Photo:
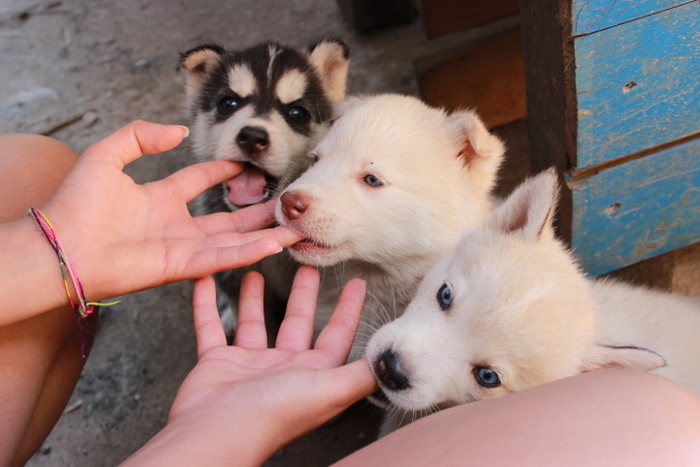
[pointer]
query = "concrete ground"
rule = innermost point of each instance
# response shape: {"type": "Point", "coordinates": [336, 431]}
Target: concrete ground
{"type": "Point", "coordinates": [78, 70]}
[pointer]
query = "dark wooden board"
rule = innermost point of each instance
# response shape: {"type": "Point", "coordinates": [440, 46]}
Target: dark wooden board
{"type": "Point", "coordinates": [447, 16]}
{"type": "Point", "coordinates": [488, 77]}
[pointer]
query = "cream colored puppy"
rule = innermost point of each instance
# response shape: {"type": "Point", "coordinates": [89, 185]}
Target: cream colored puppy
{"type": "Point", "coordinates": [394, 185]}
{"type": "Point", "coordinates": [509, 309]}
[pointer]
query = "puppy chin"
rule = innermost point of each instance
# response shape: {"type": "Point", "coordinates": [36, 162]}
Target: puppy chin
{"type": "Point", "coordinates": [380, 399]}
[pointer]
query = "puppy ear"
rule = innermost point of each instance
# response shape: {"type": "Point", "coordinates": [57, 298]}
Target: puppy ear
{"type": "Point", "coordinates": [481, 151]}
{"type": "Point", "coordinates": [530, 208]}
{"type": "Point", "coordinates": [601, 356]}
{"type": "Point", "coordinates": [330, 59]}
{"type": "Point", "coordinates": [199, 62]}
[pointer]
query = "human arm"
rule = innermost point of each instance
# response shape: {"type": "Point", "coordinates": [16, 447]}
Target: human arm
{"type": "Point", "coordinates": [241, 403]}
{"type": "Point", "coordinates": [122, 237]}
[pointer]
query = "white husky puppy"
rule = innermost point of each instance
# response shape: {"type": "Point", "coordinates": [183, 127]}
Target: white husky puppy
{"type": "Point", "coordinates": [509, 309]}
{"type": "Point", "coordinates": [394, 185]}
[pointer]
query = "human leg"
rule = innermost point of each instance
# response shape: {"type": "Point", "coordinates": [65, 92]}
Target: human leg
{"type": "Point", "coordinates": [605, 418]}
{"type": "Point", "coordinates": [40, 358]}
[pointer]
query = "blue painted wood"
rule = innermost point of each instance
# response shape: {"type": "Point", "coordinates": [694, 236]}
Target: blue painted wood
{"type": "Point", "coordinates": [589, 16]}
{"type": "Point", "coordinates": [637, 210]}
{"type": "Point", "coordinates": [638, 85]}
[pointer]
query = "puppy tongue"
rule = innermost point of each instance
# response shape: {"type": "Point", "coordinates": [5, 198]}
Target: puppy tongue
{"type": "Point", "coordinates": [248, 187]}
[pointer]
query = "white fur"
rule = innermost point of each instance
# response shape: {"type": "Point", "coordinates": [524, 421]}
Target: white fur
{"type": "Point", "coordinates": [242, 81]}
{"type": "Point", "coordinates": [437, 172]}
{"type": "Point", "coordinates": [522, 308]}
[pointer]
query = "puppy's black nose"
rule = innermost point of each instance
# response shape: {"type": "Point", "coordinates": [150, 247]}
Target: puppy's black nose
{"type": "Point", "coordinates": [390, 372]}
{"type": "Point", "coordinates": [252, 140]}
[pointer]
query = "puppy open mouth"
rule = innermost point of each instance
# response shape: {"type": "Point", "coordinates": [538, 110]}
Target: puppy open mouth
{"type": "Point", "coordinates": [251, 186]}
{"type": "Point", "coordinates": [309, 245]}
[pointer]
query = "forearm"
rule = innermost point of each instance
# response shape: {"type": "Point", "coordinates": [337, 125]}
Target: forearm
{"type": "Point", "coordinates": [30, 277]}
{"type": "Point", "coordinates": [208, 441]}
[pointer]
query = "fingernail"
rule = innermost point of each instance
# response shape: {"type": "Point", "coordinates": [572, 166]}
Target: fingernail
{"type": "Point", "coordinates": [185, 130]}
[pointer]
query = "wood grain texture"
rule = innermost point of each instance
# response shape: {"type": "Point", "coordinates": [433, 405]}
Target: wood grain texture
{"type": "Point", "coordinates": [593, 15]}
{"type": "Point", "coordinates": [551, 97]}
{"type": "Point", "coordinates": [447, 16]}
{"type": "Point", "coordinates": [638, 85]}
{"type": "Point", "coordinates": [637, 210]}
{"type": "Point", "coordinates": [489, 78]}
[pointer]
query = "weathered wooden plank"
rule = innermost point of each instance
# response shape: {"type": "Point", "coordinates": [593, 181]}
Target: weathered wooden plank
{"type": "Point", "coordinates": [593, 15]}
{"type": "Point", "coordinates": [488, 77]}
{"type": "Point", "coordinates": [638, 85]}
{"type": "Point", "coordinates": [447, 16]}
{"type": "Point", "coordinates": [550, 84]}
{"type": "Point", "coordinates": [637, 210]}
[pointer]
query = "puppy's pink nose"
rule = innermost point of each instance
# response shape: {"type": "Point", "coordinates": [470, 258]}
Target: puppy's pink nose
{"type": "Point", "coordinates": [294, 204]}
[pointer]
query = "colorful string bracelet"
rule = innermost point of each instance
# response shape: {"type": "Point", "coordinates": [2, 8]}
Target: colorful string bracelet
{"type": "Point", "coordinates": [72, 284]}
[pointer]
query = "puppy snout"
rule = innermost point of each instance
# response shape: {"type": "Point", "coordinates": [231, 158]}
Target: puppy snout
{"type": "Point", "coordinates": [252, 140]}
{"type": "Point", "coordinates": [294, 204]}
{"type": "Point", "coordinates": [390, 372]}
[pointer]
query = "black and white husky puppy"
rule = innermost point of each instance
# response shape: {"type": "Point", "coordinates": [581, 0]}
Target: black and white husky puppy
{"type": "Point", "coordinates": [265, 106]}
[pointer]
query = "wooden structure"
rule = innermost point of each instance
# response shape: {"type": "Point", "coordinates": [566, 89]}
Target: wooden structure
{"type": "Point", "coordinates": [614, 103]}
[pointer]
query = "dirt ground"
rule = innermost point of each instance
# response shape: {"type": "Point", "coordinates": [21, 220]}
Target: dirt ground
{"type": "Point", "coordinates": [79, 69]}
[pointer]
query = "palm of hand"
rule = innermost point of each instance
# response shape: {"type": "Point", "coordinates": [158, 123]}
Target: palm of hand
{"type": "Point", "coordinates": [144, 234]}
{"type": "Point", "coordinates": [291, 385]}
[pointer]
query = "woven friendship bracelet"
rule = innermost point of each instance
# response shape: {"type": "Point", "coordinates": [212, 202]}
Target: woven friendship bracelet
{"type": "Point", "coordinates": [70, 280]}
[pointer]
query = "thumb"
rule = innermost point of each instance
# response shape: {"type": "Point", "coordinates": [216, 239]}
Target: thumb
{"type": "Point", "coordinates": [134, 140]}
{"type": "Point", "coordinates": [335, 390]}
{"type": "Point", "coordinates": [350, 383]}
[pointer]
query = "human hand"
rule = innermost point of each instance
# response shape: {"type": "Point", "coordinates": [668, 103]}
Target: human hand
{"type": "Point", "coordinates": [122, 237]}
{"type": "Point", "coordinates": [245, 402]}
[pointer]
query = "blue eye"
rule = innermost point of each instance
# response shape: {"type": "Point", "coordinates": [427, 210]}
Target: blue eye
{"type": "Point", "coordinates": [486, 377]}
{"type": "Point", "coordinates": [444, 297]}
{"type": "Point", "coordinates": [373, 180]}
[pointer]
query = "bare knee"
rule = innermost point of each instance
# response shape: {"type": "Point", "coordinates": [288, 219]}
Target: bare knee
{"type": "Point", "coordinates": [32, 166]}
{"type": "Point", "coordinates": [639, 412]}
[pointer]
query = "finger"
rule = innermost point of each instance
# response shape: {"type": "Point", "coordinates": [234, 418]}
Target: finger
{"type": "Point", "coordinates": [255, 217]}
{"type": "Point", "coordinates": [195, 179]}
{"type": "Point", "coordinates": [207, 324]}
{"type": "Point", "coordinates": [327, 393]}
{"type": "Point", "coordinates": [339, 334]}
{"type": "Point", "coordinates": [353, 381]}
{"type": "Point", "coordinates": [343, 386]}
{"type": "Point", "coordinates": [284, 237]}
{"type": "Point", "coordinates": [135, 139]}
{"type": "Point", "coordinates": [297, 329]}
{"type": "Point", "coordinates": [250, 330]}
{"type": "Point", "coordinates": [214, 260]}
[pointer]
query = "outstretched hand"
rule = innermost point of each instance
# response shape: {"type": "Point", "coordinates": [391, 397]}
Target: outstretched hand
{"type": "Point", "coordinates": [122, 237]}
{"type": "Point", "coordinates": [246, 401]}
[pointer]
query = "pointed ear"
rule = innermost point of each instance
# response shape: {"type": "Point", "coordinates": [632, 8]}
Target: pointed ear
{"type": "Point", "coordinates": [601, 356]}
{"type": "Point", "coordinates": [530, 208]}
{"type": "Point", "coordinates": [481, 151]}
{"type": "Point", "coordinates": [331, 58]}
{"type": "Point", "coordinates": [198, 63]}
